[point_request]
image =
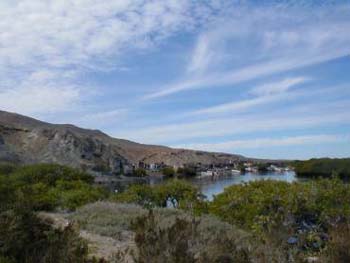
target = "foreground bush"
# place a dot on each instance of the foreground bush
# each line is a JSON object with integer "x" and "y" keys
{"x": 24, "y": 237}
{"x": 296, "y": 216}
{"x": 107, "y": 218}
{"x": 183, "y": 238}
{"x": 172, "y": 235}
{"x": 339, "y": 245}
{"x": 46, "y": 187}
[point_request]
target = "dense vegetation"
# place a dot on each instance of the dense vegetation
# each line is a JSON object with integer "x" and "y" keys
{"x": 301, "y": 214}
{"x": 46, "y": 187}
{"x": 325, "y": 167}
{"x": 168, "y": 171}
{"x": 262, "y": 221}
{"x": 296, "y": 219}
{"x": 175, "y": 193}
{"x": 26, "y": 237}
{"x": 171, "y": 235}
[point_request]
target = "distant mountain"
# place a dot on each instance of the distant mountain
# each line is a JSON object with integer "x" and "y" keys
{"x": 26, "y": 140}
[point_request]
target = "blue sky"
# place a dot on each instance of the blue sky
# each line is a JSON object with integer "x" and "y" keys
{"x": 265, "y": 79}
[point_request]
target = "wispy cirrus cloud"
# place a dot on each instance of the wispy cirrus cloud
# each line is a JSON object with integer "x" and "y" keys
{"x": 264, "y": 94}
{"x": 99, "y": 119}
{"x": 68, "y": 39}
{"x": 234, "y": 145}
{"x": 277, "y": 87}
{"x": 219, "y": 127}
{"x": 253, "y": 42}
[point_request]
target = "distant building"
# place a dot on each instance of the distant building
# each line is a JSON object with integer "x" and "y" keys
{"x": 206, "y": 173}
{"x": 128, "y": 169}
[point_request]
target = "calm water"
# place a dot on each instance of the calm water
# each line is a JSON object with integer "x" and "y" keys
{"x": 208, "y": 186}
{"x": 211, "y": 187}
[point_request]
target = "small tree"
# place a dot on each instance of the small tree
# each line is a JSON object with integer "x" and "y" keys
{"x": 140, "y": 172}
{"x": 168, "y": 171}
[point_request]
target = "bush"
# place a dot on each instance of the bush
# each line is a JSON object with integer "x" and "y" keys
{"x": 140, "y": 172}
{"x": 276, "y": 211}
{"x": 7, "y": 168}
{"x": 323, "y": 167}
{"x": 168, "y": 171}
{"x": 186, "y": 171}
{"x": 49, "y": 174}
{"x": 48, "y": 186}
{"x": 171, "y": 235}
{"x": 24, "y": 237}
{"x": 339, "y": 245}
{"x": 106, "y": 218}
{"x": 175, "y": 193}
{"x": 178, "y": 237}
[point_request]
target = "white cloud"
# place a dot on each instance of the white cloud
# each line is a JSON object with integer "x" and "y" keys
{"x": 245, "y": 74}
{"x": 258, "y": 42}
{"x": 266, "y": 93}
{"x": 102, "y": 119}
{"x": 61, "y": 33}
{"x": 34, "y": 100}
{"x": 259, "y": 143}
{"x": 277, "y": 87}
{"x": 201, "y": 57}
{"x": 217, "y": 127}
{"x": 58, "y": 41}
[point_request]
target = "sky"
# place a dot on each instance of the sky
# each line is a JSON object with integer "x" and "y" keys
{"x": 266, "y": 79}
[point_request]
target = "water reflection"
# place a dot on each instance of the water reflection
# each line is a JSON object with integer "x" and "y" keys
{"x": 211, "y": 187}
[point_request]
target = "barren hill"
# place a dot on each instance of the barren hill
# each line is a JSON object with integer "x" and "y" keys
{"x": 26, "y": 140}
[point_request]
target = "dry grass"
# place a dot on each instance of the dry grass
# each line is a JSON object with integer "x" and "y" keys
{"x": 113, "y": 232}
{"x": 107, "y": 219}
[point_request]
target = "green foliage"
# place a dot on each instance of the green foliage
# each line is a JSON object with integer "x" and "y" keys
{"x": 262, "y": 167}
{"x": 178, "y": 192}
{"x": 49, "y": 174}
{"x": 338, "y": 248}
{"x": 74, "y": 194}
{"x": 140, "y": 172}
{"x": 46, "y": 187}
{"x": 186, "y": 171}
{"x": 7, "y": 168}
{"x": 24, "y": 237}
{"x": 107, "y": 218}
{"x": 178, "y": 237}
{"x": 155, "y": 245}
{"x": 168, "y": 171}
{"x": 323, "y": 167}
{"x": 275, "y": 210}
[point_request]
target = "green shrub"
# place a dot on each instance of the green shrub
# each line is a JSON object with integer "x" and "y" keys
{"x": 168, "y": 171}
{"x": 107, "y": 218}
{"x": 323, "y": 167}
{"x": 24, "y": 237}
{"x": 275, "y": 211}
{"x": 49, "y": 174}
{"x": 140, "y": 172}
{"x": 7, "y": 168}
{"x": 48, "y": 186}
{"x": 176, "y": 192}
{"x": 339, "y": 244}
{"x": 186, "y": 171}
{"x": 178, "y": 237}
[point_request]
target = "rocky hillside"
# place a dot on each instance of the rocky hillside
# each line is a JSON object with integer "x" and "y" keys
{"x": 26, "y": 140}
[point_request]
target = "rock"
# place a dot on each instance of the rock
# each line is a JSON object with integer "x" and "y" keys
{"x": 312, "y": 259}
{"x": 34, "y": 141}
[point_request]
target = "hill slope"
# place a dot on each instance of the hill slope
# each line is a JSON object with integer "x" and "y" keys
{"x": 26, "y": 140}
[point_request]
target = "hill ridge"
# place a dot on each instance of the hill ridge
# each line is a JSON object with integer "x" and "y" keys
{"x": 27, "y": 140}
